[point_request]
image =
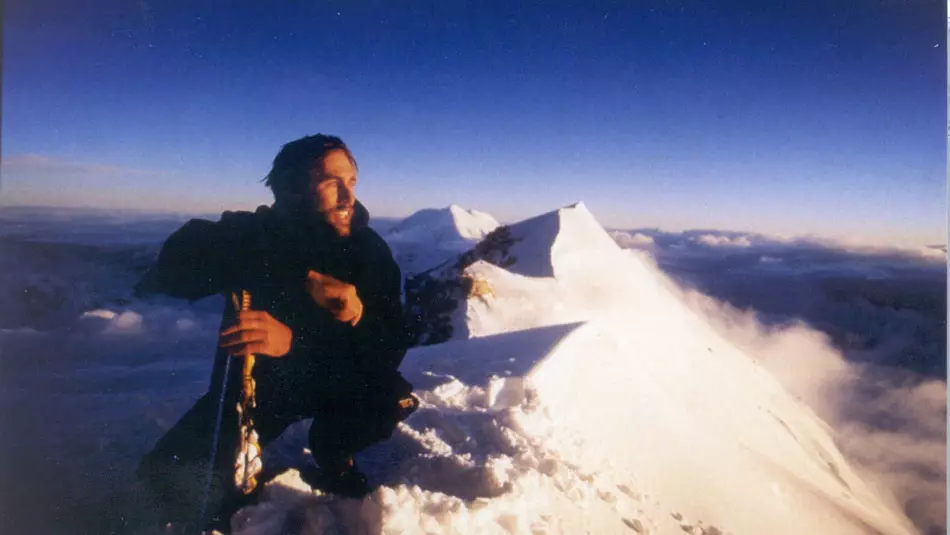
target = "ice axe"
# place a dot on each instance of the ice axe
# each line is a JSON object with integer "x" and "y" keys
{"x": 248, "y": 462}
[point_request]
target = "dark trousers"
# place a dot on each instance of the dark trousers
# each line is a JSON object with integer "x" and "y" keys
{"x": 175, "y": 472}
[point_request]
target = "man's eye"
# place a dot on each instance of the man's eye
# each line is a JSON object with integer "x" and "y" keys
{"x": 327, "y": 186}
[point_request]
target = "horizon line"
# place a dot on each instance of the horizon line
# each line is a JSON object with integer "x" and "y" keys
{"x": 782, "y": 237}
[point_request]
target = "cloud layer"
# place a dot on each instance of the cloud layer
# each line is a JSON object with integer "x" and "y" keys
{"x": 859, "y": 336}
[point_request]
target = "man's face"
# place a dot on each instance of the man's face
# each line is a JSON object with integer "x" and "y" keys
{"x": 331, "y": 192}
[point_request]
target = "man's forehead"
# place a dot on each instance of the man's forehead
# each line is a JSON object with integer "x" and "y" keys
{"x": 332, "y": 169}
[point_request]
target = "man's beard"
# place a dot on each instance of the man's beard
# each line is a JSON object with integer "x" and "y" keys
{"x": 313, "y": 217}
{"x": 340, "y": 218}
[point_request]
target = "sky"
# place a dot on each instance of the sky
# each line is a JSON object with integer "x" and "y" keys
{"x": 815, "y": 117}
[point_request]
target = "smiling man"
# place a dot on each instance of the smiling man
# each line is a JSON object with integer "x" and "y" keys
{"x": 325, "y": 323}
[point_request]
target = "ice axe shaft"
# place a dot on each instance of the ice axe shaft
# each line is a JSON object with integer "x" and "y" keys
{"x": 246, "y": 482}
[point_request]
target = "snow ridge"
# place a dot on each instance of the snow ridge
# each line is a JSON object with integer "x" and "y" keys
{"x": 576, "y": 392}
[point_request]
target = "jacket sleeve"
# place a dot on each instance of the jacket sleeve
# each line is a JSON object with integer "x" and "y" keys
{"x": 198, "y": 260}
{"x": 381, "y": 333}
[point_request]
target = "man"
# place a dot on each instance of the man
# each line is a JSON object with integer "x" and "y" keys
{"x": 325, "y": 325}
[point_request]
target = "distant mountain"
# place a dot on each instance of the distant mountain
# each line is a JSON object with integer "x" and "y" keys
{"x": 431, "y": 236}
{"x": 443, "y": 227}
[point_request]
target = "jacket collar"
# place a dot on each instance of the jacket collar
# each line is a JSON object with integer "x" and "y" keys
{"x": 360, "y": 220}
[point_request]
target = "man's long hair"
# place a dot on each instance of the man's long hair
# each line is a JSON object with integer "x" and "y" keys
{"x": 290, "y": 173}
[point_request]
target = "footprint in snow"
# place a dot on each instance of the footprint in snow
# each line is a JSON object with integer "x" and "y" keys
{"x": 628, "y": 491}
{"x": 635, "y": 525}
{"x": 607, "y": 496}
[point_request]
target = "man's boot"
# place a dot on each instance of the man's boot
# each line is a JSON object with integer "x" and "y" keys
{"x": 337, "y": 476}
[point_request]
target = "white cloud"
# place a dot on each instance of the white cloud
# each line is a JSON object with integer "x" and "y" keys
{"x": 908, "y": 459}
{"x": 713, "y": 240}
{"x": 866, "y": 246}
{"x": 730, "y": 239}
{"x": 631, "y": 240}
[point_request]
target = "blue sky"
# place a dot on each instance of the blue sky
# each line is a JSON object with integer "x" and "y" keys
{"x": 821, "y": 117}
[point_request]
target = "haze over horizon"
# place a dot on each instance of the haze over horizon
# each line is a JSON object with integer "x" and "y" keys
{"x": 822, "y": 118}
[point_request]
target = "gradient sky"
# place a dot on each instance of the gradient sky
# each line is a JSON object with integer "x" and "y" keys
{"x": 823, "y": 117}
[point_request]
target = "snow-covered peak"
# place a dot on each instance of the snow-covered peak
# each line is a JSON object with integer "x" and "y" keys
{"x": 445, "y": 226}
{"x": 430, "y": 237}
{"x": 555, "y": 244}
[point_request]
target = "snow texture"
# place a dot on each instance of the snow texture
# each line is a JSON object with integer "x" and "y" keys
{"x": 432, "y": 236}
{"x": 578, "y": 393}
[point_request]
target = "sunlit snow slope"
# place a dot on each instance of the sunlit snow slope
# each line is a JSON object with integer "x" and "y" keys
{"x": 431, "y": 236}
{"x": 574, "y": 392}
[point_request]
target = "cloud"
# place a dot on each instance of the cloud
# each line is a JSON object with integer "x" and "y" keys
{"x": 631, "y": 240}
{"x": 695, "y": 240}
{"x": 888, "y": 310}
{"x": 858, "y": 336}
{"x": 937, "y": 253}
{"x": 723, "y": 241}
{"x": 856, "y": 330}
{"x": 36, "y": 163}
{"x": 110, "y": 385}
{"x": 890, "y": 423}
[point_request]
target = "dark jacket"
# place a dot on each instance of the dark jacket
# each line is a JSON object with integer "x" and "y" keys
{"x": 269, "y": 253}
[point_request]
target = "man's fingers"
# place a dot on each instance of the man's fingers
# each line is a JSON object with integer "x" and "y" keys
{"x": 359, "y": 316}
{"x": 237, "y": 332}
{"x": 246, "y": 324}
{"x": 351, "y": 314}
{"x": 243, "y": 337}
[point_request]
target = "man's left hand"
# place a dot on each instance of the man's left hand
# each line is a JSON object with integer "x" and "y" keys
{"x": 339, "y": 297}
{"x": 256, "y": 332}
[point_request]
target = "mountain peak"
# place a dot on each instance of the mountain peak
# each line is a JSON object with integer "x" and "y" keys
{"x": 557, "y": 243}
{"x": 431, "y": 236}
{"x": 444, "y": 226}
{"x": 562, "y": 245}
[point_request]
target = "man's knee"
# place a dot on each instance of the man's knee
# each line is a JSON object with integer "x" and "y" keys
{"x": 337, "y": 435}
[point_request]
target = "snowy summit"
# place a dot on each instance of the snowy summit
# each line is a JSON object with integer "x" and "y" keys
{"x": 567, "y": 388}
{"x": 432, "y": 236}
{"x": 443, "y": 227}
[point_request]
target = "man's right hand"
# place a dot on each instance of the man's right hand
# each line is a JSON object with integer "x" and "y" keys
{"x": 336, "y": 296}
{"x": 256, "y": 332}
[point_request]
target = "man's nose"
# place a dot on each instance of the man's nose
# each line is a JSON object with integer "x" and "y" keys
{"x": 346, "y": 195}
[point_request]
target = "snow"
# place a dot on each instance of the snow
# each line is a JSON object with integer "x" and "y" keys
{"x": 445, "y": 225}
{"x": 431, "y": 236}
{"x": 583, "y": 395}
